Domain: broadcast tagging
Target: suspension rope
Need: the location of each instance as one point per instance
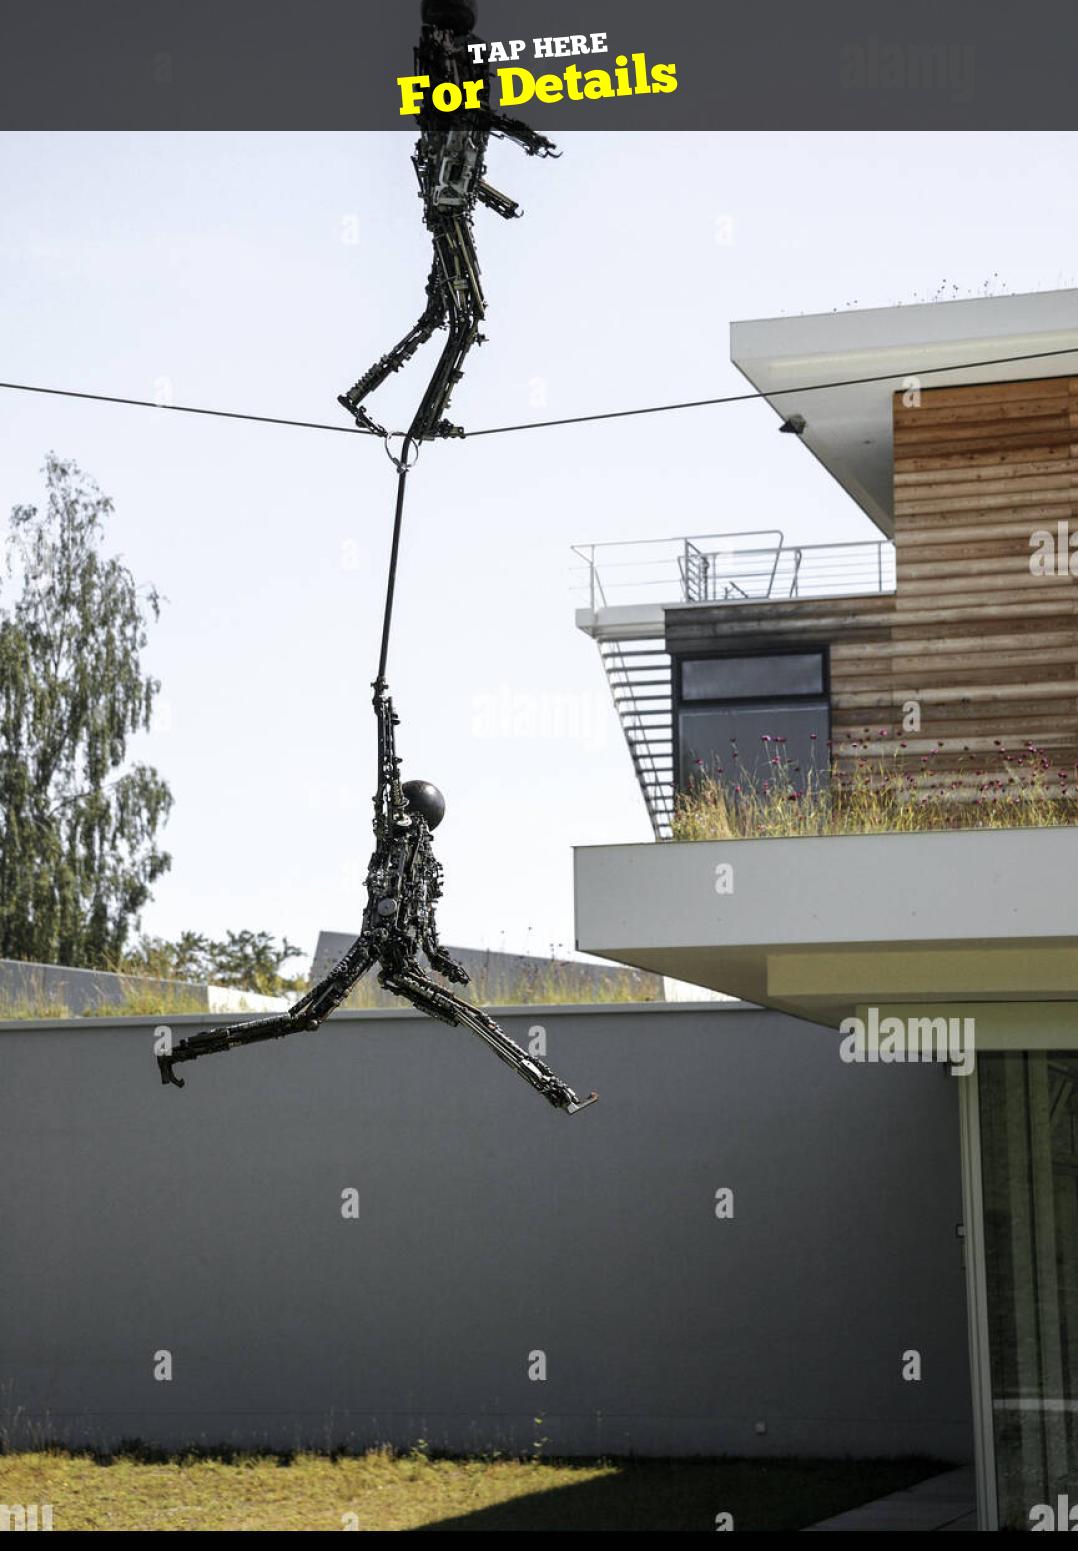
(534, 425)
(403, 470)
(186, 409)
(744, 398)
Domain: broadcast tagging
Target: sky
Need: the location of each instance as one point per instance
(265, 272)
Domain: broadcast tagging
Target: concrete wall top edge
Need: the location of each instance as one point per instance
(535, 1010)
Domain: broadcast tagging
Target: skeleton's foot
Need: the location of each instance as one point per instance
(164, 1066)
(578, 1104)
(360, 415)
(446, 428)
(563, 1097)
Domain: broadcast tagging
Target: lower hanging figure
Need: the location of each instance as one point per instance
(404, 883)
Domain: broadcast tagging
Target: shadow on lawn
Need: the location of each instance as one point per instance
(688, 1494)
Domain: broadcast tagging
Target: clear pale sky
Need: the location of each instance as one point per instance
(265, 272)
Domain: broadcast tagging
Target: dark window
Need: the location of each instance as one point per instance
(751, 719)
(752, 678)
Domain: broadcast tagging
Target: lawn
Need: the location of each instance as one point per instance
(384, 1491)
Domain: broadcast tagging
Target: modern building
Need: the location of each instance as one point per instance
(944, 649)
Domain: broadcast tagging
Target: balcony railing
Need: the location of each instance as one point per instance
(730, 568)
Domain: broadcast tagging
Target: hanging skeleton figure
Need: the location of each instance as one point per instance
(404, 883)
(450, 164)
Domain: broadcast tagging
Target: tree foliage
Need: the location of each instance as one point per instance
(78, 852)
(250, 961)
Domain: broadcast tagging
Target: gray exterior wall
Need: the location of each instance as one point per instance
(496, 976)
(137, 1219)
(79, 990)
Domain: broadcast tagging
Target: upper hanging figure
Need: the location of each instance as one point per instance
(450, 163)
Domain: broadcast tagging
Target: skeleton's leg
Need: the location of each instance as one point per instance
(456, 256)
(433, 317)
(430, 421)
(307, 1014)
(439, 1003)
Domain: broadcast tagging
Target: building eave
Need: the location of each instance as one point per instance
(848, 428)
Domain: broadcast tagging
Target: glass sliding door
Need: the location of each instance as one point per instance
(1028, 1103)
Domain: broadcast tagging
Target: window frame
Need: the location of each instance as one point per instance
(679, 702)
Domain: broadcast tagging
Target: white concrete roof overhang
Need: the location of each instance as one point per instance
(849, 428)
(819, 926)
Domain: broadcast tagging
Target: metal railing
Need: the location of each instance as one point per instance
(730, 568)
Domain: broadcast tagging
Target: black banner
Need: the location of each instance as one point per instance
(580, 65)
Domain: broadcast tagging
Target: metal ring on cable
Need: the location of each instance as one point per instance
(398, 463)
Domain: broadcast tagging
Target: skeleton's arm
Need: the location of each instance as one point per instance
(437, 957)
(515, 129)
(495, 200)
(389, 801)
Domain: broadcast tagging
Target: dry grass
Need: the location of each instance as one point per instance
(149, 1001)
(550, 983)
(880, 795)
(547, 984)
(32, 1006)
(386, 1491)
(144, 1001)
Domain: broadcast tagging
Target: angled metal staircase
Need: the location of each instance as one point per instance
(628, 586)
(639, 675)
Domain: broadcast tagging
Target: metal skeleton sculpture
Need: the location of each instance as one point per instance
(404, 880)
(450, 164)
(404, 883)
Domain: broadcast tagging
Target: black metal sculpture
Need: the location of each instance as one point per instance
(449, 164)
(404, 884)
(404, 880)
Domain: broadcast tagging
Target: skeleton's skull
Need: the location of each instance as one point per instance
(426, 800)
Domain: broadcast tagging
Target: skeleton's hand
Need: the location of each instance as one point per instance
(449, 968)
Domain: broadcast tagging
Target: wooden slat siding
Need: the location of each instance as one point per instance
(989, 651)
(976, 471)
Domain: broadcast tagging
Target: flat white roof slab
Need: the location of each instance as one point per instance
(623, 621)
(817, 927)
(849, 428)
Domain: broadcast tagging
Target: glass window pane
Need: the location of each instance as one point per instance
(1029, 1169)
(747, 745)
(752, 678)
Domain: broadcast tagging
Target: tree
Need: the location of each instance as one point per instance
(250, 961)
(77, 830)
